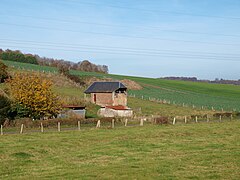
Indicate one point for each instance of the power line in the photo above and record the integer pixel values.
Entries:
(118, 48)
(153, 11)
(186, 57)
(117, 35)
(121, 26)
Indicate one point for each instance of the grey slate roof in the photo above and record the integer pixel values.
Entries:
(101, 87)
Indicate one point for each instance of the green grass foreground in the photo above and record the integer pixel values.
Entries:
(184, 151)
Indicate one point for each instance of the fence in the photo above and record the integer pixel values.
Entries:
(114, 123)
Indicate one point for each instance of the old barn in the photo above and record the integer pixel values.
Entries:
(111, 96)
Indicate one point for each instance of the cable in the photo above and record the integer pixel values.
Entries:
(138, 54)
(153, 11)
(124, 49)
(116, 35)
(120, 26)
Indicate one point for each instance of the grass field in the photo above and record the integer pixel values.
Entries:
(179, 92)
(191, 151)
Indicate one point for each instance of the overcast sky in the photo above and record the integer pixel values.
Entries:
(151, 38)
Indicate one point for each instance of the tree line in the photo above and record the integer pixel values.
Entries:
(18, 56)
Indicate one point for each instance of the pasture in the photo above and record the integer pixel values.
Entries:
(183, 151)
(177, 92)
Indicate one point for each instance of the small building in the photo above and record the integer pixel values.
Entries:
(72, 111)
(112, 97)
(108, 94)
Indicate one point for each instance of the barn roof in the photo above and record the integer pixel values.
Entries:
(107, 87)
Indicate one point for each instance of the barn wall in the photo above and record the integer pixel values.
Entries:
(120, 99)
(102, 99)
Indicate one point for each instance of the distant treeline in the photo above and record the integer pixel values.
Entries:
(18, 56)
(194, 79)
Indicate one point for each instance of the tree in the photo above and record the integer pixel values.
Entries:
(3, 72)
(5, 106)
(34, 93)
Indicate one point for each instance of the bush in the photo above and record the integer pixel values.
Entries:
(33, 96)
(5, 106)
(3, 72)
(161, 120)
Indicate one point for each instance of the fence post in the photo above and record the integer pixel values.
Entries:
(79, 125)
(21, 130)
(126, 121)
(41, 127)
(174, 120)
(98, 124)
(141, 122)
(231, 117)
(112, 123)
(220, 118)
(196, 119)
(185, 119)
(59, 126)
(1, 129)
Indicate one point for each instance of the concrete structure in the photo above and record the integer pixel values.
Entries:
(108, 94)
(115, 111)
(72, 111)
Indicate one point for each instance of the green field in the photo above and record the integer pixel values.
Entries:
(177, 92)
(191, 151)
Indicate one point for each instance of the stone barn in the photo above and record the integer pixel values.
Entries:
(109, 95)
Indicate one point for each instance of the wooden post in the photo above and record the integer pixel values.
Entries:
(21, 130)
(41, 127)
(231, 117)
(59, 126)
(126, 121)
(174, 120)
(1, 129)
(185, 119)
(79, 125)
(141, 122)
(98, 124)
(220, 118)
(113, 123)
(196, 119)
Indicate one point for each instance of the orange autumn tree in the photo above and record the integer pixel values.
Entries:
(34, 93)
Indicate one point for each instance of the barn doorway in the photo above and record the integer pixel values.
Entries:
(95, 98)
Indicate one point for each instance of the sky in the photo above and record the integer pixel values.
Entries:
(149, 38)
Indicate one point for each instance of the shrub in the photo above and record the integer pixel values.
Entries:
(161, 120)
(3, 72)
(5, 106)
(33, 96)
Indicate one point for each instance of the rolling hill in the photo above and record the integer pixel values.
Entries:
(181, 93)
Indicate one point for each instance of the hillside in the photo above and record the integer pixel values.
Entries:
(181, 93)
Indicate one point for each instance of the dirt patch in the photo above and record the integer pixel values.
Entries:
(131, 84)
(128, 83)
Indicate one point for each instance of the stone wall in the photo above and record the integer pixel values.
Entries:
(107, 112)
(102, 99)
(120, 99)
